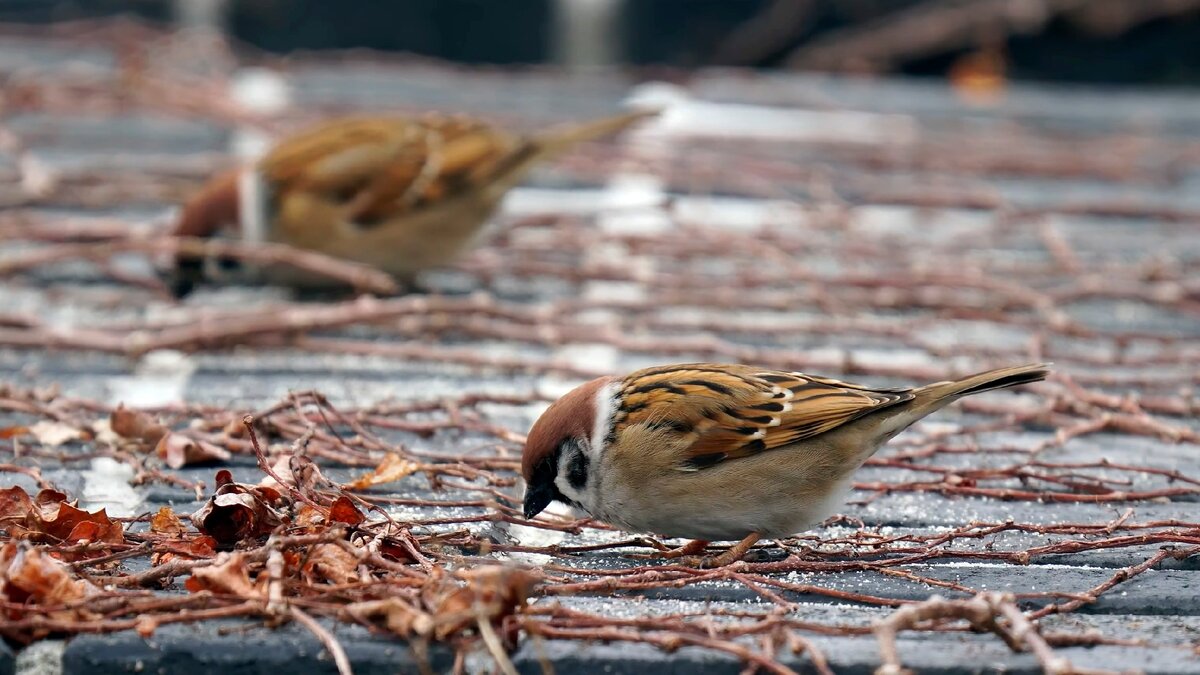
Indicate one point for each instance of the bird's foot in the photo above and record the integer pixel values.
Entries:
(731, 555)
(692, 548)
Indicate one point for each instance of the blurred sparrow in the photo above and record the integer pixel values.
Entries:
(402, 195)
(722, 452)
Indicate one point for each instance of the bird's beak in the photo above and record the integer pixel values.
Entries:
(537, 498)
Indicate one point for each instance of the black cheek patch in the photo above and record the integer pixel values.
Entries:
(577, 470)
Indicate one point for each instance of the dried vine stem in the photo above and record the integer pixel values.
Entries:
(983, 612)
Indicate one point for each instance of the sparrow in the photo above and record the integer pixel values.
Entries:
(400, 194)
(711, 452)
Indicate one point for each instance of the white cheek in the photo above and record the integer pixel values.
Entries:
(564, 486)
(580, 495)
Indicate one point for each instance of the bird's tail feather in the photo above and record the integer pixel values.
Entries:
(987, 381)
(934, 397)
(561, 138)
(549, 143)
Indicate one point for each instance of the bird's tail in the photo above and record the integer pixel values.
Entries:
(558, 139)
(552, 142)
(934, 397)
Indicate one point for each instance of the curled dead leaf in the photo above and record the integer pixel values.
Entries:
(392, 468)
(237, 511)
(178, 451)
(136, 425)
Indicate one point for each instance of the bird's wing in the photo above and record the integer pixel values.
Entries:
(378, 168)
(725, 412)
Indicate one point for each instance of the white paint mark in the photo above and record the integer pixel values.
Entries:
(657, 95)
(106, 486)
(159, 378)
(684, 116)
(635, 222)
(43, 657)
(260, 90)
(526, 201)
(632, 190)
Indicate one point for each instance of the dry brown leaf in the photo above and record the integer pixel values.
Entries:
(228, 575)
(202, 547)
(71, 525)
(237, 511)
(166, 522)
(332, 563)
(12, 432)
(492, 592)
(178, 451)
(54, 434)
(30, 578)
(49, 516)
(310, 518)
(344, 511)
(136, 425)
(391, 469)
(399, 616)
(282, 468)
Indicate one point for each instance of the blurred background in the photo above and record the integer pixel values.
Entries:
(1120, 41)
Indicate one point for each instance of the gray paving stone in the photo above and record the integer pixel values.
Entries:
(968, 654)
(239, 648)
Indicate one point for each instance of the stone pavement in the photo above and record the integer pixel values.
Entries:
(885, 231)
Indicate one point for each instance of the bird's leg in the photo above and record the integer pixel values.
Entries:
(692, 548)
(731, 555)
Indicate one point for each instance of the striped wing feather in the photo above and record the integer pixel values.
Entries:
(381, 168)
(730, 411)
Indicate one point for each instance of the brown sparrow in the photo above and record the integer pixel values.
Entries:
(402, 195)
(722, 452)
